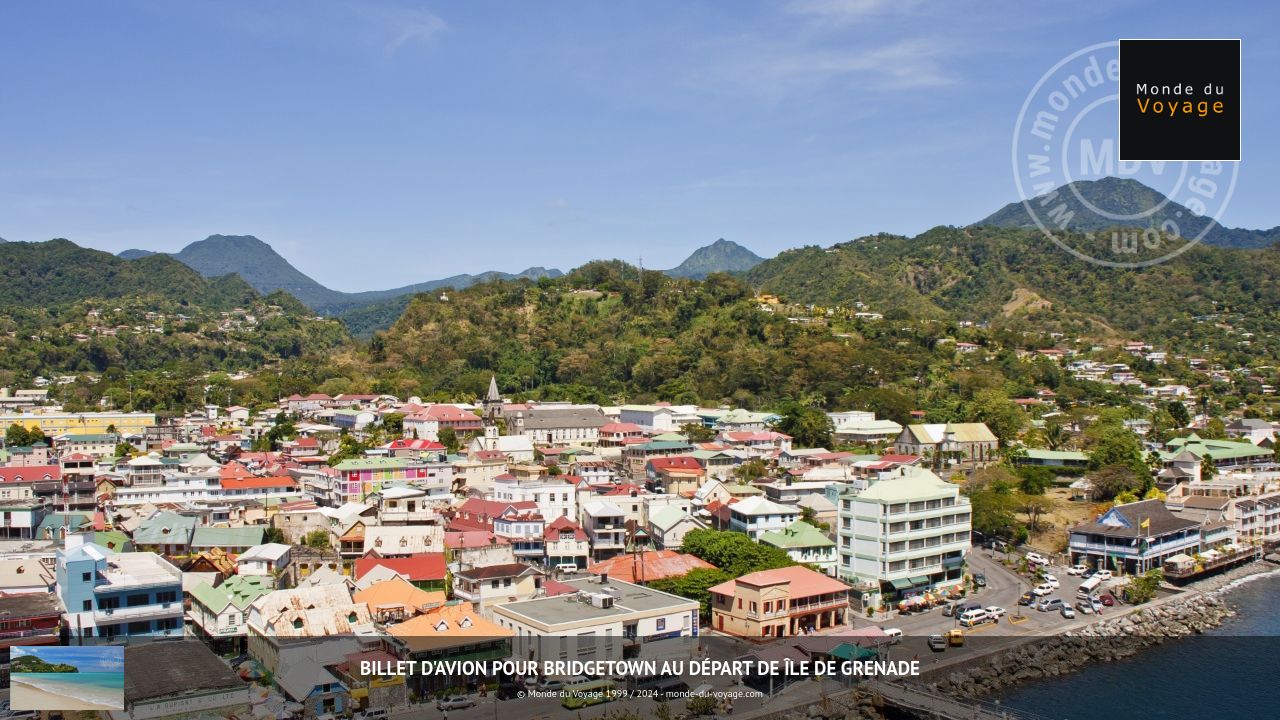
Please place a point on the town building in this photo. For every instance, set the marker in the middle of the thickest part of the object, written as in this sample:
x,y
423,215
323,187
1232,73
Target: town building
x,y
600,618
779,603
107,594
907,533
1133,538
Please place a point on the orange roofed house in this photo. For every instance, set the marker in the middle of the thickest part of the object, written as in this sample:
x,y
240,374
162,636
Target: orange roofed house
x,y
452,632
779,603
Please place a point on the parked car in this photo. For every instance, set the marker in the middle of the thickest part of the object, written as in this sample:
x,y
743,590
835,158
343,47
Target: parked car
x,y
1085,606
1096,604
1067,611
454,702
371,714
995,611
1043,589
551,685
1088,573
937,643
979,580
1027,598
1104,574
1037,559
1077,570
977,616
1051,580
1107,599
1049,604
895,635
959,607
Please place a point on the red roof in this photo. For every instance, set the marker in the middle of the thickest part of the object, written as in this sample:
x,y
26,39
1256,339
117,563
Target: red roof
x,y
461,540
450,413
900,459
306,442
625,490
234,470
258,483
414,444
620,428
424,566
564,524
76,457
680,462
802,581
31,473
649,566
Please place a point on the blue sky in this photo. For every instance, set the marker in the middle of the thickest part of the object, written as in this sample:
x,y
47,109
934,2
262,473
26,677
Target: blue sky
x,y
382,142
107,658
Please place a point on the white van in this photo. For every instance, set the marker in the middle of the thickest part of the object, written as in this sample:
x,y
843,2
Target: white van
x,y
894,634
974,617
1088,586
566,568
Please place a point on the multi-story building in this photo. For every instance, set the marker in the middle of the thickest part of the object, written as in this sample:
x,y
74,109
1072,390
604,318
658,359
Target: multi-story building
x,y
1133,538
494,584
29,619
566,544
756,516
221,612
601,618
908,533
53,424
605,524
107,594
555,496
361,477
93,444
779,603
805,544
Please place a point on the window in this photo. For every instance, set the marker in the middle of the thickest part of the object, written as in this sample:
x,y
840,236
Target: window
x,y
88,605
85,577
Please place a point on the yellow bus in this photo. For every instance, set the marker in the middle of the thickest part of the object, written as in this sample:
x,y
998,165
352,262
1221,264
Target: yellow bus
x,y
586,694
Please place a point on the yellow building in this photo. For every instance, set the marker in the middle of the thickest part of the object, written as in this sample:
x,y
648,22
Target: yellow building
x,y
90,423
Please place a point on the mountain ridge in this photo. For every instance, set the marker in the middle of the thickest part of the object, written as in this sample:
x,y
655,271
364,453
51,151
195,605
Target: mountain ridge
x,y
720,256
1128,197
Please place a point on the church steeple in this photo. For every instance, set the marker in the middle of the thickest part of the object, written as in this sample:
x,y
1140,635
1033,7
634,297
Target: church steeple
x,y
492,401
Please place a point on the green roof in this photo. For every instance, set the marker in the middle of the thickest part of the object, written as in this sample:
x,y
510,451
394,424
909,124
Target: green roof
x,y
90,437
53,522
237,590
165,528
1217,449
664,445
912,484
209,537
798,534
114,540
850,651
380,463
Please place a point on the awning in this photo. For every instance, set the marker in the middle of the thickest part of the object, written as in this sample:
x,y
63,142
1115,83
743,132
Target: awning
x,y
921,580
901,584
953,562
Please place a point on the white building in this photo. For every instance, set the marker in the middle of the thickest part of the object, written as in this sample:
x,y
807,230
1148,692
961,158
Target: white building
x,y
555,496
598,620
757,515
909,531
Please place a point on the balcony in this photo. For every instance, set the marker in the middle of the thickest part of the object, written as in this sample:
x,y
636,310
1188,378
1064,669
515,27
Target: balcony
x,y
157,611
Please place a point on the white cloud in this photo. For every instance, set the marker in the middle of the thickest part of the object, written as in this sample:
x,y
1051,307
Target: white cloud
x,y
846,10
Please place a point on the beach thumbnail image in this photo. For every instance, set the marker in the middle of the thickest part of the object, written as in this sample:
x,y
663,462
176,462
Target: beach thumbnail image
x,y
66,678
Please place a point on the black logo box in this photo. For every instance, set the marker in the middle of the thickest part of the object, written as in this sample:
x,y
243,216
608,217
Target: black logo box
x,y
1186,65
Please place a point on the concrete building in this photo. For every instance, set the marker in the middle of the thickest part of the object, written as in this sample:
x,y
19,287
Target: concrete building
x,y
109,594
908,533
779,603
1133,538
601,618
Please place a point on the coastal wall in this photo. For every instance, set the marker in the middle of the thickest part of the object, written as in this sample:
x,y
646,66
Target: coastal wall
x,y
1104,641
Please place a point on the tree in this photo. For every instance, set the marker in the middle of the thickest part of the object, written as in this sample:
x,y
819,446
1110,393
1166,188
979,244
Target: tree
x,y
273,534
18,436
697,432
808,426
1056,435
1116,445
348,447
993,502
735,553
1001,415
1112,481
449,438
751,471
124,450
393,424
1142,588
693,585
1035,480
1178,412
318,539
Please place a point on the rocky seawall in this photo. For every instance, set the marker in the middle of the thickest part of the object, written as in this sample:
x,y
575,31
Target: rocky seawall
x,y
1104,641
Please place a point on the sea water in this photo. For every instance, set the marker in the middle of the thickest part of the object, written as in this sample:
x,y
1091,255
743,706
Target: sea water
x,y
100,688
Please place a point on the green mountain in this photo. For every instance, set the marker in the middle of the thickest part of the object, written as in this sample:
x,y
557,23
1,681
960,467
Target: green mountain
x,y
33,664
720,256
267,271
1127,197
1003,275
133,254
59,272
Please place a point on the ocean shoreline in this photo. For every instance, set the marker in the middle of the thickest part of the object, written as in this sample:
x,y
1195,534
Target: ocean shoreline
x,y
1200,606
26,696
